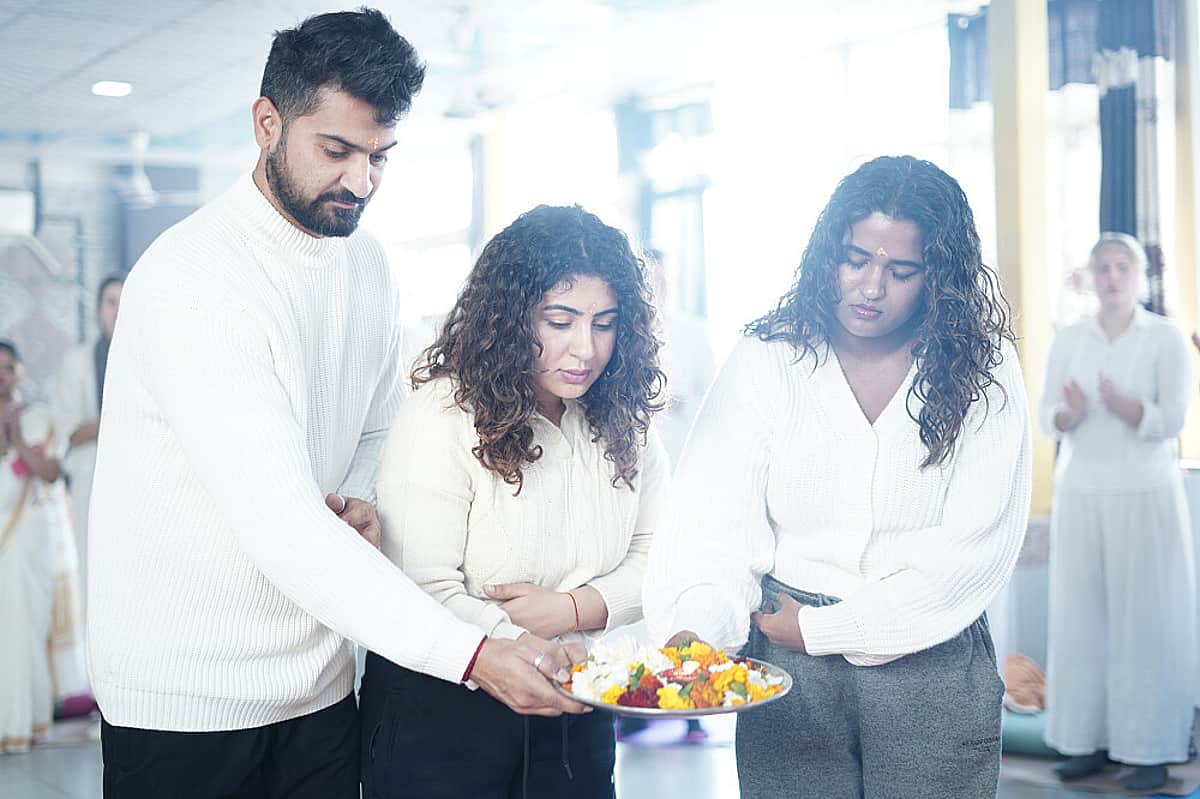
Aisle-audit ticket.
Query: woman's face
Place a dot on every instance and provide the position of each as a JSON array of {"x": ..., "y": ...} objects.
[
  {"x": 576, "y": 324},
  {"x": 106, "y": 312},
  {"x": 881, "y": 280},
  {"x": 1114, "y": 272},
  {"x": 10, "y": 373}
]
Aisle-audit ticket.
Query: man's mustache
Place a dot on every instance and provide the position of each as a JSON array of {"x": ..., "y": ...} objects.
[{"x": 343, "y": 197}]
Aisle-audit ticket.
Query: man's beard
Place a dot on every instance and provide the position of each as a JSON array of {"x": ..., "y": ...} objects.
[{"x": 315, "y": 215}]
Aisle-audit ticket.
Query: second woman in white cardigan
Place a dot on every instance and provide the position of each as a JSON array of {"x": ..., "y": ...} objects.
[
  {"x": 862, "y": 463},
  {"x": 521, "y": 487}
]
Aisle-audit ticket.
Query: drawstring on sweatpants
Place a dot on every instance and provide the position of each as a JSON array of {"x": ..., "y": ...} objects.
[
  {"x": 566, "y": 759},
  {"x": 525, "y": 765}
]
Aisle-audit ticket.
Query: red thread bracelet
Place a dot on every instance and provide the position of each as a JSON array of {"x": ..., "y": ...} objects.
[
  {"x": 471, "y": 665},
  {"x": 575, "y": 602}
]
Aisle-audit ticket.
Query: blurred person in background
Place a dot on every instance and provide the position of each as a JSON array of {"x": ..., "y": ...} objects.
[
  {"x": 854, "y": 494},
  {"x": 521, "y": 486},
  {"x": 249, "y": 388},
  {"x": 28, "y": 475},
  {"x": 1121, "y": 672},
  {"x": 689, "y": 366},
  {"x": 78, "y": 397},
  {"x": 687, "y": 359}
]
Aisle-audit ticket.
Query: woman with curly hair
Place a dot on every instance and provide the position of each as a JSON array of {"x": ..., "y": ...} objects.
[
  {"x": 857, "y": 485},
  {"x": 521, "y": 486}
]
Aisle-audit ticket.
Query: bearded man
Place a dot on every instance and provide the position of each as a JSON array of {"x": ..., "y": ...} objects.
[{"x": 252, "y": 377}]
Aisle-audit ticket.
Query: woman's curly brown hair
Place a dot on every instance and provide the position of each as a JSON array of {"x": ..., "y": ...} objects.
[
  {"x": 964, "y": 315},
  {"x": 487, "y": 342}
]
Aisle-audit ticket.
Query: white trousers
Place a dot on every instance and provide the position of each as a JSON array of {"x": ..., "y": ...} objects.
[{"x": 1122, "y": 671}]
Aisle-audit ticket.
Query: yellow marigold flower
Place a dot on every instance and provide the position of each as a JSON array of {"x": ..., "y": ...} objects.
[
  {"x": 673, "y": 653},
  {"x": 611, "y": 696},
  {"x": 722, "y": 679},
  {"x": 669, "y": 699}
]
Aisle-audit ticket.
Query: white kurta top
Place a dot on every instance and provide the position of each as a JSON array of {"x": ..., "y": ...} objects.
[
  {"x": 783, "y": 474},
  {"x": 1150, "y": 362},
  {"x": 453, "y": 526}
]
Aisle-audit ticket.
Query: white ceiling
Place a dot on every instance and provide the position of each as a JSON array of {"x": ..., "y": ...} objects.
[{"x": 195, "y": 65}]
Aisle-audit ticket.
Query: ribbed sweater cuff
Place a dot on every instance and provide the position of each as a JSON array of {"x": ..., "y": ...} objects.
[
  {"x": 623, "y": 600},
  {"x": 703, "y": 610},
  {"x": 831, "y": 629},
  {"x": 507, "y": 631},
  {"x": 455, "y": 647}
]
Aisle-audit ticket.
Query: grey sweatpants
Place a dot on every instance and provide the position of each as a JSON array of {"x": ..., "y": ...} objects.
[{"x": 926, "y": 726}]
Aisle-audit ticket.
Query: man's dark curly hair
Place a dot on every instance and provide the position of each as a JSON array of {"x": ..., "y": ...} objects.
[
  {"x": 487, "y": 343},
  {"x": 963, "y": 314},
  {"x": 357, "y": 52}
]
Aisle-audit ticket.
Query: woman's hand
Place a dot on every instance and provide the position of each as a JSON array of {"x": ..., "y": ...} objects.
[
  {"x": 1126, "y": 409},
  {"x": 782, "y": 627},
  {"x": 1077, "y": 403},
  {"x": 545, "y": 613},
  {"x": 86, "y": 433},
  {"x": 683, "y": 637}
]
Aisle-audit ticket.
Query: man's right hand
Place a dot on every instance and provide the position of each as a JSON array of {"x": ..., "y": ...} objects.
[{"x": 505, "y": 670}]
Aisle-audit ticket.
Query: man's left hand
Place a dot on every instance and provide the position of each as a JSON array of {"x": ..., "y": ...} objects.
[
  {"x": 783, "y": 626},
  {"x": 359, "y": 514}
]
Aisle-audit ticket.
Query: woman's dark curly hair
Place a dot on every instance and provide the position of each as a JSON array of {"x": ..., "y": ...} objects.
[
  {"x": 487, "y": 343},
  {"x": 963, "y": 315}
]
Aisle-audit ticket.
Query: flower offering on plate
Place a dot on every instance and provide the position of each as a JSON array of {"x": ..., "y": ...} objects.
[{"x": 689, "y": 680}]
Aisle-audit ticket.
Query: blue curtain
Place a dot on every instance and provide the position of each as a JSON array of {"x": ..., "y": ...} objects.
[
  {"x": 1130, "y": 34},
  {"x": 1071, "y": 28}
]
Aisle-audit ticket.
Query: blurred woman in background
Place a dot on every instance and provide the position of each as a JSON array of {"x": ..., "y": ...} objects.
[
  {"x": 1121, "y": 674},
  {"x": 27, "y": 584}
]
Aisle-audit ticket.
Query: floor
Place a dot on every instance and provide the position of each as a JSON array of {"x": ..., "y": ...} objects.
[{"x": 653, "y": 768}]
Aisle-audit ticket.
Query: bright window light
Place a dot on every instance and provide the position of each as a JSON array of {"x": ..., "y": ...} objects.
[{"x": 111, "y": 88}]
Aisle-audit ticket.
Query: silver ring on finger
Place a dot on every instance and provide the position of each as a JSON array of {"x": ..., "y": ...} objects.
[{"x": 537, "y": 661}]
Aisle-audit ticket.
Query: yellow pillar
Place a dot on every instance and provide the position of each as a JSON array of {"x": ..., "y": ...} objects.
[
  {"x": 1017, "y": 44},
  {"x": 1183, "y": 260}
]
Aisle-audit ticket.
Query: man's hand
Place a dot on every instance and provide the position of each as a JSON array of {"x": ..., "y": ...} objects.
[
  {"x": 545, "y": 613},
  {"x": 359, "y": 514},
  {"x": 782, "y": 627},
  {"x": 505, "y": 670}
]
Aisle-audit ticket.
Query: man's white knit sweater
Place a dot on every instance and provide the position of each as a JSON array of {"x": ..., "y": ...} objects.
[{"x": 255, "y": 369}]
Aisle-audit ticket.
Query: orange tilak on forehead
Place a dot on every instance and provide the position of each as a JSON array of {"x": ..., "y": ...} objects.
[
  {"x": 882, "y": 253},
  {"x": 372, "y": 142}
]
